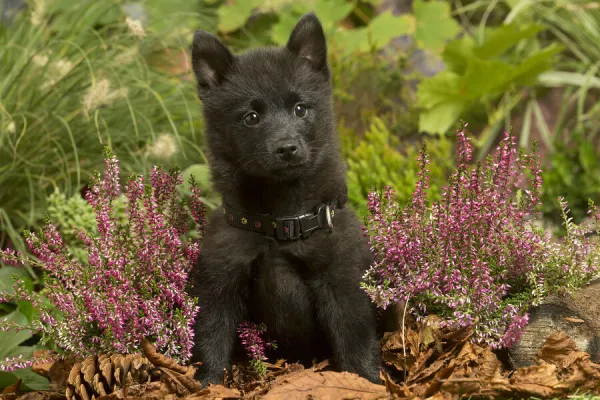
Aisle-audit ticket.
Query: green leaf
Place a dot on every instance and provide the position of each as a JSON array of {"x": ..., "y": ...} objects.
[
  {"x": 438, "y": 89},
  {"x": 561, "y": 78},
  {"x": 443, "y": 99},
  {"x": 32, "y": 380},
  {"x": 7, "y": 379},
  {"x": 235, "y": 13},
  {"x": 7, "y": 282},
  {"x": 439, "y": 119},
  {"x": 526, "y": 127},
  {"x": 500, "y": 39},
  {"x": 201, "y": 173},
  {"x": 387, "y": 26},
  {"x": 26, "y": 308},
  {"x": 457, "y": 54},
  {"x": 587, "y": 156},
  {"x": 10, "y": 340},
  {"x": 486, "y": 78},
  {"x": 377, "y": 34},
  {"x": 434, "y": 24},
  {"x": 528, "y": 71},
  {"x": 280, "y": 31},
  {"x": 330, "y": 12}
]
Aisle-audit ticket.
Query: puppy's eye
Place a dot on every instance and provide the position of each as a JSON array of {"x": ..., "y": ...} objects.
[
  {"x": 251, "y": 118},
  {"x": 300, "y": 110}
]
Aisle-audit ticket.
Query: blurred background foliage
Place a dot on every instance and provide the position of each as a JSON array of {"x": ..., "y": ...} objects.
[{"x": 75, "y": 76}]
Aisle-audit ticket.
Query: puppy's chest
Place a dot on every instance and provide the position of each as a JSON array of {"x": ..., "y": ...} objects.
[
  {"x": 278, "y": 268},
  {"x": 281, "y": 294}
]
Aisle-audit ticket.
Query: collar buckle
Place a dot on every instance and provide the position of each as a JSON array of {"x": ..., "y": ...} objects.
[
  {"x": 282, "y": 228},
  {"x": 287, "y": 228}
]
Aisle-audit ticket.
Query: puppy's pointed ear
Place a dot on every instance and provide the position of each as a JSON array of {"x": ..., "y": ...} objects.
[
  {"x": 308, "y": 41},
  {"x": 211, "y": 60}
]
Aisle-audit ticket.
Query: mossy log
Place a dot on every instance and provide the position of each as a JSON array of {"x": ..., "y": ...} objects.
[{"x": 578, "y": 315}]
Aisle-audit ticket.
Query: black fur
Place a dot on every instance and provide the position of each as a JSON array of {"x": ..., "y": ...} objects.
[{"x": 307, "y": 291}]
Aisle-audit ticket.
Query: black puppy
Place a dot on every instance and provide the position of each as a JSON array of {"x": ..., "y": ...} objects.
[{"x": 283, "y": 250}]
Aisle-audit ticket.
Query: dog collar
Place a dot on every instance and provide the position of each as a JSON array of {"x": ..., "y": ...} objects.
[{"x": 282, "y": 228}]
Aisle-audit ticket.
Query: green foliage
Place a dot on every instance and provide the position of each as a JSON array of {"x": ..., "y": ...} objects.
[
  {"x": 375, "y": 33},
  {"x": 365, "y": 85},
  {"x": 70, "y": 214},
  {"x": 189, "y": 15},
  {"x": 479, "y": 72},
  {"x": 575, "y": 175},
  {"x": 376, "y": 161},
  {"x": 12, "y": 344},
  {"x": 73, "y": 78},
  {"x": 201, "y": 174}
]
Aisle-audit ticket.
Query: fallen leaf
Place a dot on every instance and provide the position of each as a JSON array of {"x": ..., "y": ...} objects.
[
  {"x": 39, "y": 367},
  {"x": 324, "y": 385},
  {"x": 42, "y": 395},
  {"x": 544, "y": 375},
  {"x": 15, "y": 388},
  {"x": 394, "y": 388},
  {"x": 321, "y": 366},
  {"x": 59, "y": 373},
  {"x": 147, "y": 391},
  {"x": 215, "y": 392}
]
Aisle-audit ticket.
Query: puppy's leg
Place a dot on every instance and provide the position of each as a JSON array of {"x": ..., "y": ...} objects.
[
  {"x": 219, "y": 290},
  {"x": 348, "y": 319}
]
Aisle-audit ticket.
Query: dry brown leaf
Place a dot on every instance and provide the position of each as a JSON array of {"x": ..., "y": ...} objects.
[
  {"x": 544, "y": 375},
  {"x": 560, "y": 350},
  {"x": 40, "y": 396},
  {"x": 321, "y": 365},
  {"x": 395, "y": 388},
  {"x": 215, "y": 392},
  {"x": 147, "y": 391},
  {"x": 39, "y": 367},
  {"x": 15, "y": 388},
  {"x": 59, "y": 372},
  {"x": 421, "y": 362},
  {"x": 490, "y": 367},
  {"x": 519, "y": 390},
  {"x": 323, "y": 386}
]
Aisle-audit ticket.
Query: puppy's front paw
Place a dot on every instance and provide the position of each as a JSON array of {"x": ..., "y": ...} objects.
[
  {"x": 373, "y": 376},
  {"x": 209, "y": 377}
]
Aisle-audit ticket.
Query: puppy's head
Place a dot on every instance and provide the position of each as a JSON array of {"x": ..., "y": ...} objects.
[{"x": 268, "y": 112}]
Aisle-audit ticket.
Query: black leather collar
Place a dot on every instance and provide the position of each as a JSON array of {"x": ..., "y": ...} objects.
[{"x": 282, "y": 228}]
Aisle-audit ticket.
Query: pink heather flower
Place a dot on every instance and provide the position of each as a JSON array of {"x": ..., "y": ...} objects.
[
  {"x": 134, "y": 282},
  {"x": 10, "y": 364},
  {"x": 251, "y": 336},
  {"x": 471, "y": 257}
]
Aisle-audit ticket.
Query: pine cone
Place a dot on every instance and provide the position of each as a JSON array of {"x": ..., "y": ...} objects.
[{"x": 101, "y": 375}]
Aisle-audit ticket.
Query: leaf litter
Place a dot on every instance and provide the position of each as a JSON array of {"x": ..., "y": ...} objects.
[{"x": 425, "y": 363}]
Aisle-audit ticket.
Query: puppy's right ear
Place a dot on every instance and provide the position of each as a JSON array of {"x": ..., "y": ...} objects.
[{"x": 211, "y": 60}]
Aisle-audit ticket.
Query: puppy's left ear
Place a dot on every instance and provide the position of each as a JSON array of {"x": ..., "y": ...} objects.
[{"x": 308, "y": 42}]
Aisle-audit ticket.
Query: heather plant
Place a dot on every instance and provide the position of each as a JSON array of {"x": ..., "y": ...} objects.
[
  {"x": 475, "y": 257},
  {"x": 251, "y": 337},
  {"x": 73, "y": 214},
  {"x": 133, "y": 283}
]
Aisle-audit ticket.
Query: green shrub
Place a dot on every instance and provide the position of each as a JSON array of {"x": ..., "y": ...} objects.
[
  {"x": 376, "y": 161},
  {"x": 574, "y": 175}
]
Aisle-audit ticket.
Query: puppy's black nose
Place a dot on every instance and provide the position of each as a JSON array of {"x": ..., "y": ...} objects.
[{"x": 287, "y": 150}]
